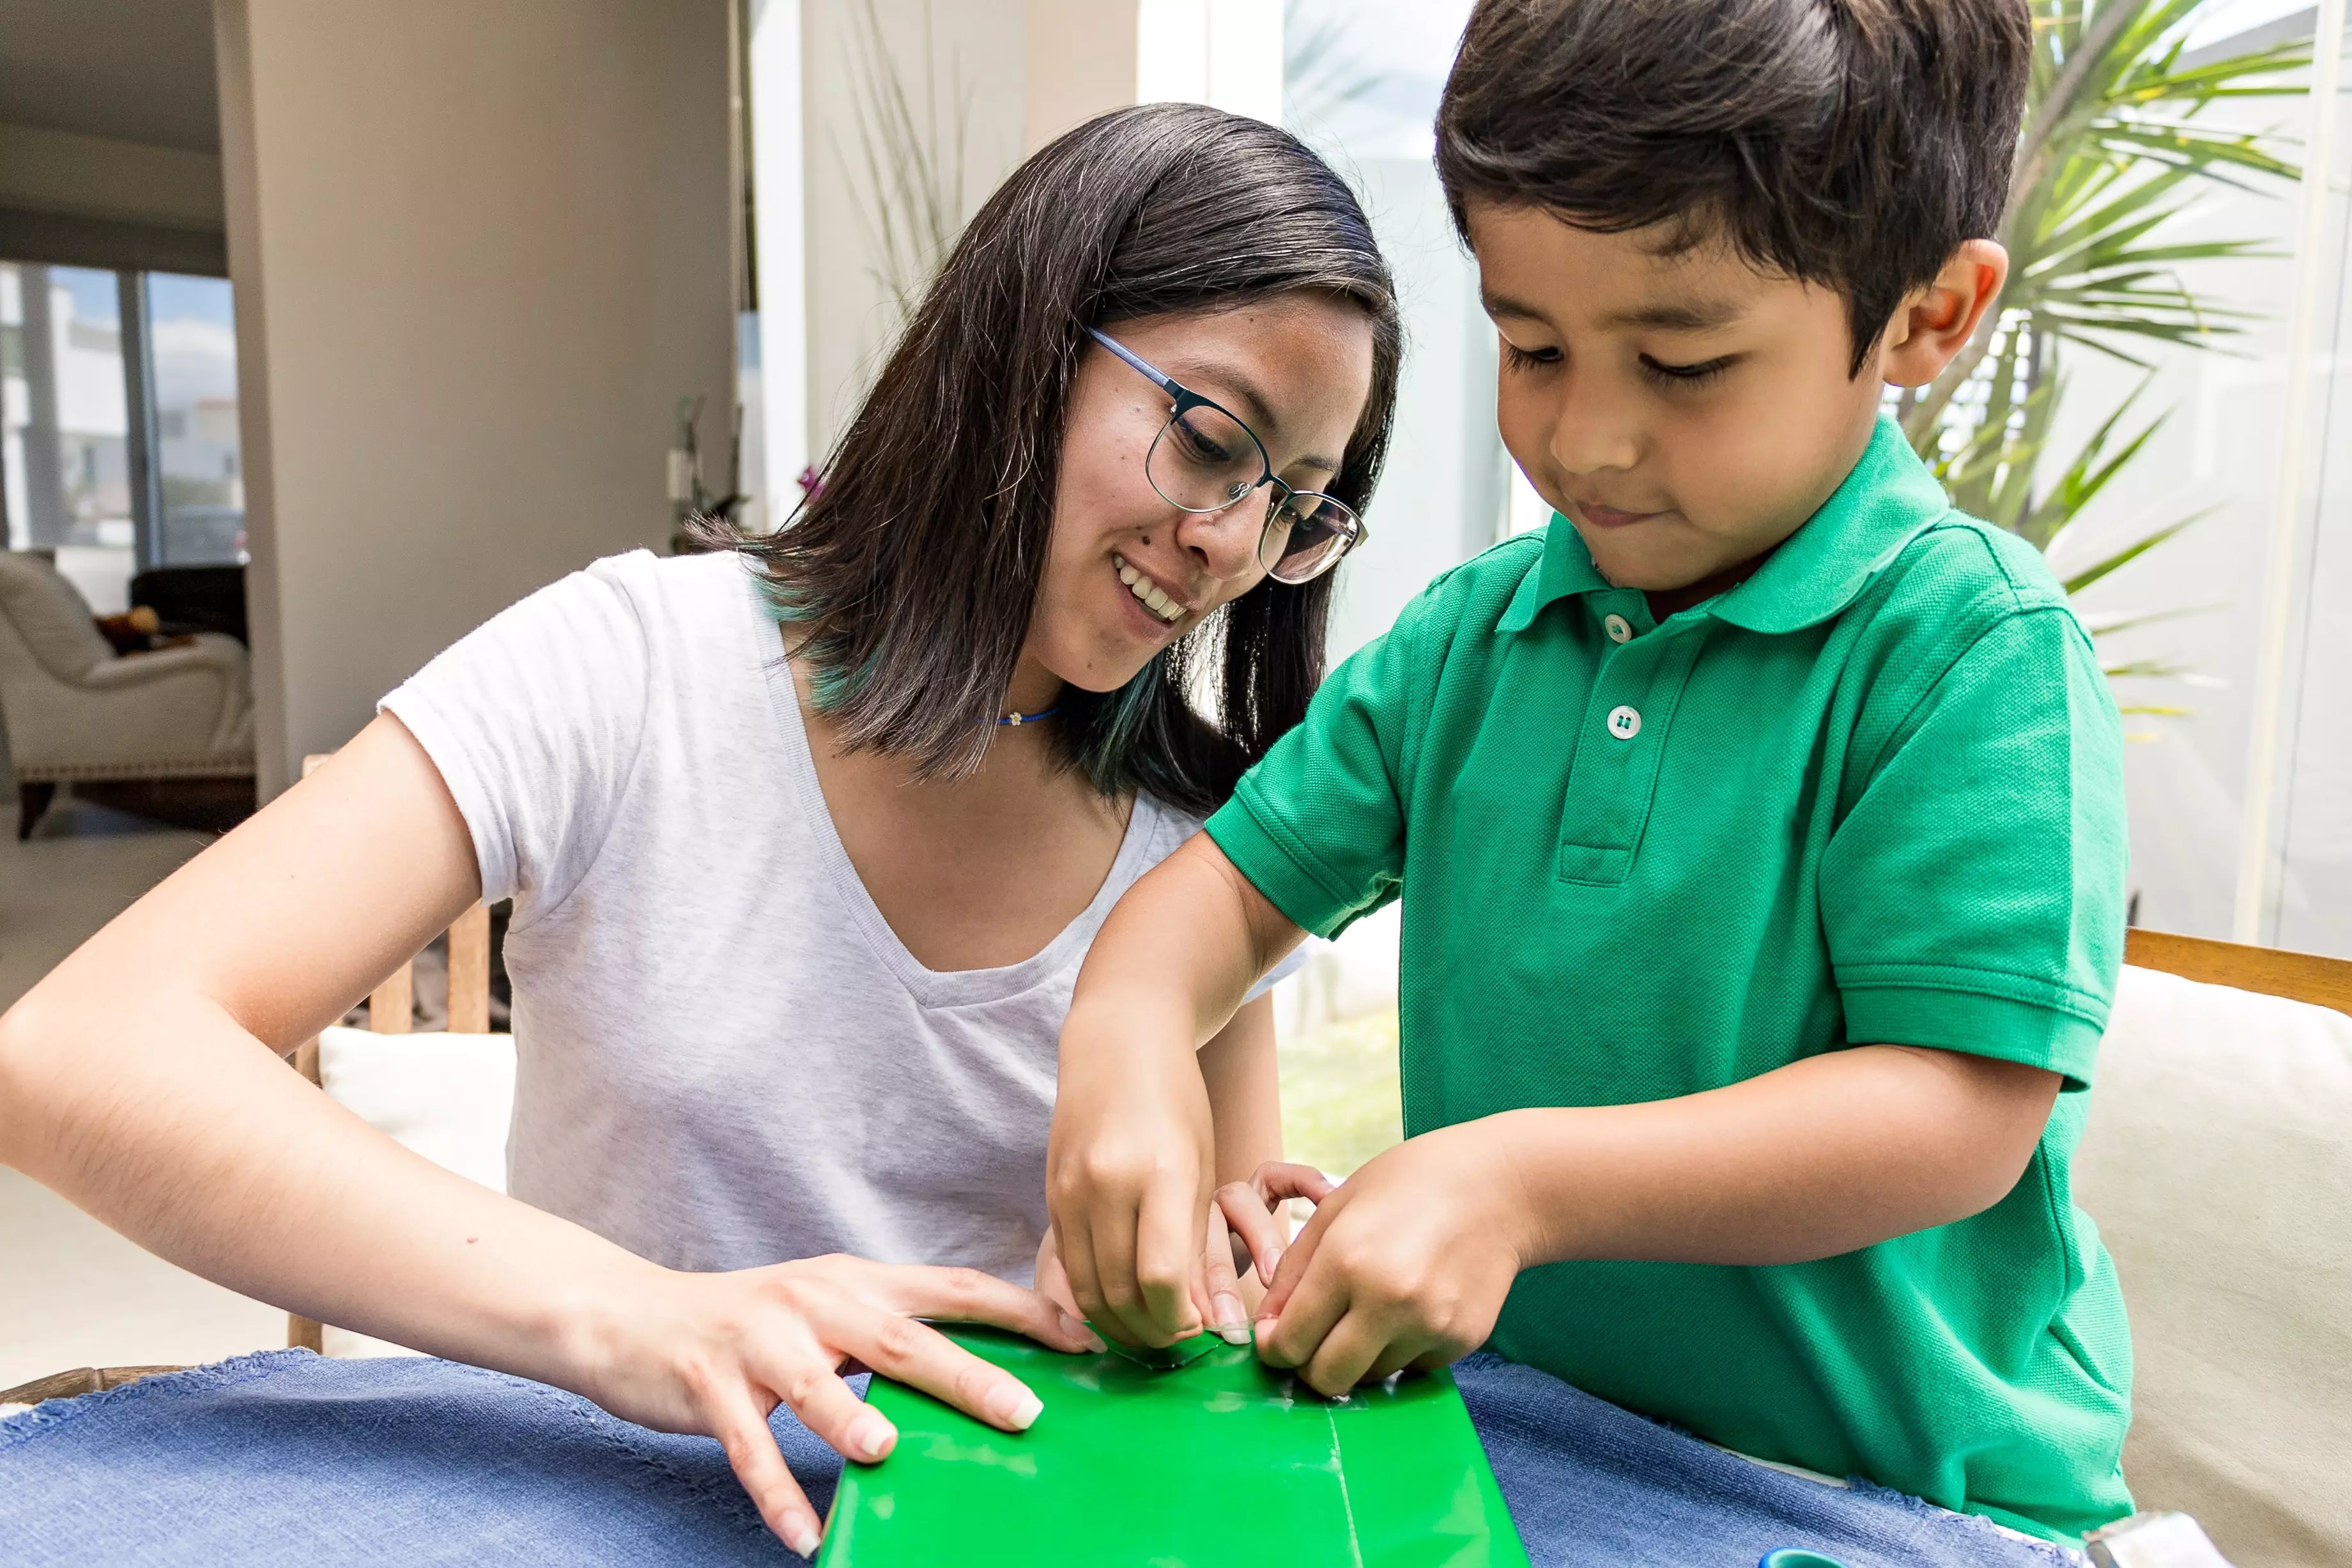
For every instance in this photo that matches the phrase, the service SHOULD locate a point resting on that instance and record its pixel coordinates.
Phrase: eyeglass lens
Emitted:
(1305, 535)
(1204, 460)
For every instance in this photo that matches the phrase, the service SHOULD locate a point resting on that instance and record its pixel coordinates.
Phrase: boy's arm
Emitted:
(1408, 1264)
(1135, 1152)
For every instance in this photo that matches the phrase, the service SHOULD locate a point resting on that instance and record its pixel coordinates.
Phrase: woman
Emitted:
(806, 841)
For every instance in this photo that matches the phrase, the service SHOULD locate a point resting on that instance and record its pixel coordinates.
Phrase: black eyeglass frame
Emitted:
(1184, 400)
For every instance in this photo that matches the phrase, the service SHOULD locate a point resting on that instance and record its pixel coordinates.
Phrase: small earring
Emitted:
(1147, 539)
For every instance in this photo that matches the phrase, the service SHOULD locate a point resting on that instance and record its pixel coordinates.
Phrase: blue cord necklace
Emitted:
(1017, 720)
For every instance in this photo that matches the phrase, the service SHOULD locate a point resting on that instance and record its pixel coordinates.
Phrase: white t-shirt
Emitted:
(725, 1056)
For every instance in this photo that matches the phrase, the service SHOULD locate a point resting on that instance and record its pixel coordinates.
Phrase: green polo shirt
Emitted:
(1871, 796)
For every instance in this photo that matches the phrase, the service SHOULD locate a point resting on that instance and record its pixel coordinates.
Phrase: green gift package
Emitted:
(1221, 1461)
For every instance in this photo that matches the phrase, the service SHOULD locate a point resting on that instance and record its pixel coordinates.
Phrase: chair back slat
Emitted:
(2272, 971)
(469, 972)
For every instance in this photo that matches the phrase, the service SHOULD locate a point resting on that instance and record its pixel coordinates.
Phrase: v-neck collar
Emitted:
(929, 987)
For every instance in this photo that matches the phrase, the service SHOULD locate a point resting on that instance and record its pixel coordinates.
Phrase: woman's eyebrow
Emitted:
(1258, 413)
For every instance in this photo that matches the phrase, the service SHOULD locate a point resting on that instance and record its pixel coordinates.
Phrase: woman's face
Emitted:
(1296, 369)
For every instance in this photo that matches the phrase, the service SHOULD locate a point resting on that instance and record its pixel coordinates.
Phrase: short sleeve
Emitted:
(1972, 894)
(1317, 826)
(534, 720)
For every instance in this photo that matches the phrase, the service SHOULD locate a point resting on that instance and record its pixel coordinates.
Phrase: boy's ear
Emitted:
(1937, 322)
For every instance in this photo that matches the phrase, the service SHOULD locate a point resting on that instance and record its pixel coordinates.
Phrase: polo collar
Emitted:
(1884, 503)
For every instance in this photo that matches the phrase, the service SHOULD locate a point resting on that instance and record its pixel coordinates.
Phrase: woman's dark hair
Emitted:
(911, 574)
(1852, 144)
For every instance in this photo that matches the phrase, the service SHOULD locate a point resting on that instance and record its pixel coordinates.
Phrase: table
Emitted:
(285, 1458)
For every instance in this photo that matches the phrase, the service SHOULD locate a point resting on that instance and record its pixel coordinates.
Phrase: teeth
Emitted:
(1148, 592)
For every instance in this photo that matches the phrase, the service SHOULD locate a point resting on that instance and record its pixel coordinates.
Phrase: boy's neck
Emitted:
(1665, 602)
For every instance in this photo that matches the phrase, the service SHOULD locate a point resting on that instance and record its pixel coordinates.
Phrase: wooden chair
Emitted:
(392, 1009)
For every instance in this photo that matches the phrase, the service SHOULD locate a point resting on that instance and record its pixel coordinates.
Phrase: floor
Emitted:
(77, 1294)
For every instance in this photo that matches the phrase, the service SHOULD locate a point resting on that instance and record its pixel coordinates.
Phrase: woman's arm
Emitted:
(141, 1080)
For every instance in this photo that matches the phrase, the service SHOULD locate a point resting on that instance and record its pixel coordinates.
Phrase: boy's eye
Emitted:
(1686, 374)
(1518, 358)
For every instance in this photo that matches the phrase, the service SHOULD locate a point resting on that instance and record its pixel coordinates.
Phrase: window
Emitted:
(199, 475)
(119, 442)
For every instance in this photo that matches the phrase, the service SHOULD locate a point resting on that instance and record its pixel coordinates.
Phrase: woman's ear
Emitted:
(1936, 322)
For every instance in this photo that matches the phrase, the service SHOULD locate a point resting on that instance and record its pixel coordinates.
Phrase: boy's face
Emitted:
(1687, 413)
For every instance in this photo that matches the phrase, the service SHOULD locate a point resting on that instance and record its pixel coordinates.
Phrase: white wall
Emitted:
(479, 252)
(976, 72)
(2218, 456)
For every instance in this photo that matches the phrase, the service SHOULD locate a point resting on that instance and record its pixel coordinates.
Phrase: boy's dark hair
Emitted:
(1850, 144)
(910, 576)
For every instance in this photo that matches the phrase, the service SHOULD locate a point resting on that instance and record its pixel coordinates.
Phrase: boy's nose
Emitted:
(1590, 433)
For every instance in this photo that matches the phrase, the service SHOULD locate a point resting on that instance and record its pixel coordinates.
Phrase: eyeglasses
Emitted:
(1204, 460)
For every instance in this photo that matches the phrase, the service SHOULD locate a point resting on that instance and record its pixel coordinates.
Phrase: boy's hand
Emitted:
(1247, 1213)
(1406, 1265)
(1130, 1200)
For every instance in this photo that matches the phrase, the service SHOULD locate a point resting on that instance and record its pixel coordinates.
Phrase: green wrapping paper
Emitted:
(1221, 1463)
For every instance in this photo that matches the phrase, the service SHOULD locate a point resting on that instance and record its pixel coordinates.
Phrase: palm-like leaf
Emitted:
(2114, 149)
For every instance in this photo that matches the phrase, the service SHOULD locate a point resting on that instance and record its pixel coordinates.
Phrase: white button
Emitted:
(1624, 722)
(1620, 629)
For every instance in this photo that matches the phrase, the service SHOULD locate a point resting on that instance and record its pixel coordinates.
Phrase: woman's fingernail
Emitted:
(1015, 1407)
(1077, 1329)
(871, 1436)
(1233, 1322)
(802, 1538)
(1268, 1264)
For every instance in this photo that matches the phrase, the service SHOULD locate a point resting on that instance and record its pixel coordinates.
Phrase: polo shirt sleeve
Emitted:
(1317, 826)
(1973, 894)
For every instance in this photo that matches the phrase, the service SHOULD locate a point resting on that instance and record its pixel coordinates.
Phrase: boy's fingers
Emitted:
(1313, 1304)
(1279, 1181)
(1225, 1312)
(751, 1448)
(1242, 1206)
(1170, 1233)
(1348, 1352)
(1295, 1263)
(1401, 1353)
(1116, 1302)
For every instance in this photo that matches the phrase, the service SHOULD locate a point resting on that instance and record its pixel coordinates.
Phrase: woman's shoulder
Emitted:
(684, 588)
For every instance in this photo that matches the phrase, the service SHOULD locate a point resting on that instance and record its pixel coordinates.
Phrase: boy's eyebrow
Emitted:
(1678, 315)
(1675, 316)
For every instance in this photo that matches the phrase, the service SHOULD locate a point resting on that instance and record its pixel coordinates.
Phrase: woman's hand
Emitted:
(716, 1354)
(1406, 1265)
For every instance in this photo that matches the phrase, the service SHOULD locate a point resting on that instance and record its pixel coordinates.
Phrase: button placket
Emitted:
(1613, 776)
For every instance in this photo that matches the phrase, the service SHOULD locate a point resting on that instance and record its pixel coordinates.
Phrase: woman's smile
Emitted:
(1163, 606)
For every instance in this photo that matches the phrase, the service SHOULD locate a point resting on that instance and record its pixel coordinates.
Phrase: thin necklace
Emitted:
(1017, 720)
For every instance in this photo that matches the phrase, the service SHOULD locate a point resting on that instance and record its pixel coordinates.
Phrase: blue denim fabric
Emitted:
(283, 1459)
(1589, 1483)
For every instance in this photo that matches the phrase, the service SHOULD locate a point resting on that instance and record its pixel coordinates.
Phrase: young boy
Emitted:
(1758, 825)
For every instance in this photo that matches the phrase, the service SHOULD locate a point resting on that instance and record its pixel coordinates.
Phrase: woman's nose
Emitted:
(1225, 542)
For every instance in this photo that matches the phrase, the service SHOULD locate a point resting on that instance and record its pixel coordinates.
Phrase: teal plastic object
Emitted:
(1223, 1463)
(1161, 1358)
(1790, 1557)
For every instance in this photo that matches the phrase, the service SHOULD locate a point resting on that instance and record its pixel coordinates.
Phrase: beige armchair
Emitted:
(76, 709)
